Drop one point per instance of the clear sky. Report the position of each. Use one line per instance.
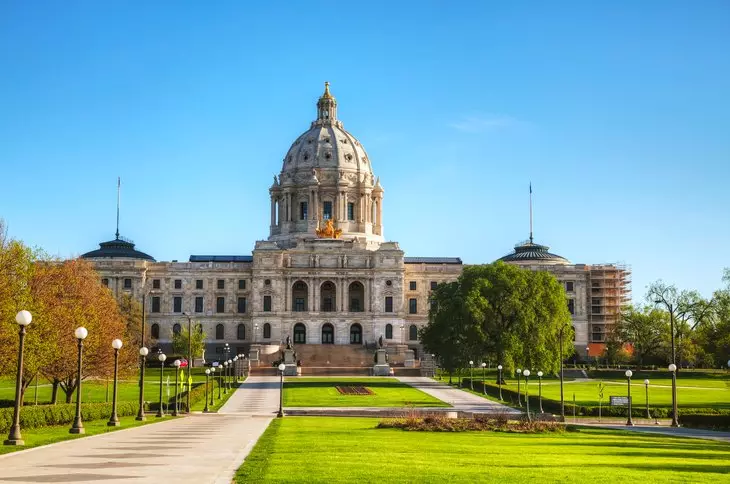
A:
(617, 111)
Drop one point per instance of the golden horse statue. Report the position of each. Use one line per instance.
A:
(329, 231)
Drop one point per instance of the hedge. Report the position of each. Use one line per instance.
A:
(705, 421)
(197, 394)
(34, 416)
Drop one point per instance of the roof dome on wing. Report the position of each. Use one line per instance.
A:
(530, 252)
(119, 248)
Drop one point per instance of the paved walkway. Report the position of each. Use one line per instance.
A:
(665, 430)
(258, 395)
(459, 399)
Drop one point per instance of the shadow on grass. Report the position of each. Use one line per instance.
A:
(395, 385)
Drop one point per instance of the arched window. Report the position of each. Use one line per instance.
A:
(300, 333)
(357, 297)
(388, 331)
(355, 334)
(241, 331)
(328, 334)
(267, 330)
(176, 328)
(413, 332)
(299, 294)
(155, 331)
(219, 331)
(327, 297)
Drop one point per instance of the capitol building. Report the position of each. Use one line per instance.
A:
(326, 275)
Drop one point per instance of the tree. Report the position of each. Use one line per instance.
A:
(713, 336)
(180, 341)
(645, 328)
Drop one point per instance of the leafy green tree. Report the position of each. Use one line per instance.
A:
(713, 336)
(180, 341)
(646, 329)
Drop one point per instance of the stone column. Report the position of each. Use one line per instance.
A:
(336, 208)
(273, 211)
(344, 204)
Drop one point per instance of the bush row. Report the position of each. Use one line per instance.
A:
(34, 416)
(705, 421)
(495, 423)
(197, 394)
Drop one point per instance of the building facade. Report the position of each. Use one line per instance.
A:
(325, 274)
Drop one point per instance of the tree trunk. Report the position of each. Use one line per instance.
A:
(54, 392)
(69, 396)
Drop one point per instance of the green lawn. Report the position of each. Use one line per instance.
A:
(58, 433)
(321, 392)
(353, 450)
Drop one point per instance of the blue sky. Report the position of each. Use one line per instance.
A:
(617, 111)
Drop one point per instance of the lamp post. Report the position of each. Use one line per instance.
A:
(646, 386)
(484, 380)
(499, 381)
(207, 374)
(588, 356)
(230, 374)
(212, 393)
(190, 357)
(673, 369)
(161, 357)
(539, 390)
(235, 370)
(471, 374)
(143, 352)
(23, 318)
(526, 374)
(114, 420)
(225, 378)
(519, 374)
(176, 364)
(628, 374)
(282, 367)
(220, 380)
(78, 426)
(562, 400)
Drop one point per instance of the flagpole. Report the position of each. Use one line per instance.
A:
(530, 212)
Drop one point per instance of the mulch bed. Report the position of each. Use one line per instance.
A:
(354, 390)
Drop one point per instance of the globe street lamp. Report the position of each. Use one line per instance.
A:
(230, 374)
(673, 369)
(190, 355)
(282, 367)
(484, 381)
(646, 385)
(220, 380)
(499, 381)
(212, 371)
(471, 374)
(628, 374)
(207, 374)
(519, 374)
(562, 399)
(143, 352)
(539, 390)
(162, 357)
(114, 420)
(225, 377)
(526, 374)
(23, 318)
(78, 426)
(176, 364)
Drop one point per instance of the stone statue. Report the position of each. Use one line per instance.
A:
(288, 342)
(380, 341)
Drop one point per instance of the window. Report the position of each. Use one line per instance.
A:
(412, 285)
(241, 331)
(388, 304)
(350, 211)
(198, 284)
(355, 334)
(569, 286)
(300, 333)
(220, 305)
(176, 328)
(241, 284)
(412, 305)
(105, 282)
(595, 310)
(596, 301)
(221, 284)
(199, 304)
(178, 283)
(156, 304)
(177, 304)
(413, 332)
(220, 332)
(267, 330)
(433, 285)
(326, 210)
(127, 283)
(155, 331)
(302, 210)
(299, 304)
(241, 304)
(155, 283)
(267, 303)
(571, 306)
(328, 334)
(388, 331)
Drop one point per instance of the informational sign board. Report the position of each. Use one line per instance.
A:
(619, 401)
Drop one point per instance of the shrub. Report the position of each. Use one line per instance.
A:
(705, 421)
(197, 394)
(490, 423)
(32, 417)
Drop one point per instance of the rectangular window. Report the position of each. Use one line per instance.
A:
(177, 304)
(302, 210)
(221, 284)
(199, 304)
(413, 306)
(569, 286)
(105, 282)
(388, 304)
(220, 305)
(596, 301)
(596, 310)
(327, 305)
(350, 211)
(178, 283)
(127, 283)
(241, 304)
(299, 304)
(198, 284)
(355, 305)
(155, 283)
(267, 303)
(571, 306)
(433, 285)
(412, 285)
(326, 210)
(241, 284)
(155, 304)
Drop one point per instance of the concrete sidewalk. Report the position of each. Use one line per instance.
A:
(458, 399)
(666, 430)
(258, 395)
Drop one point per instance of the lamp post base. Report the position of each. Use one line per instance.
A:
(141, 418)
(113, 423)
(279, 414)
(159, 414)
(77, 430)
(14, 442)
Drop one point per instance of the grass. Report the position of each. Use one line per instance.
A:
(387, 392)
(358, 452)
(58, 433)
(217, 403)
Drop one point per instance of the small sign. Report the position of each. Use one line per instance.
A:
(619, 401)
